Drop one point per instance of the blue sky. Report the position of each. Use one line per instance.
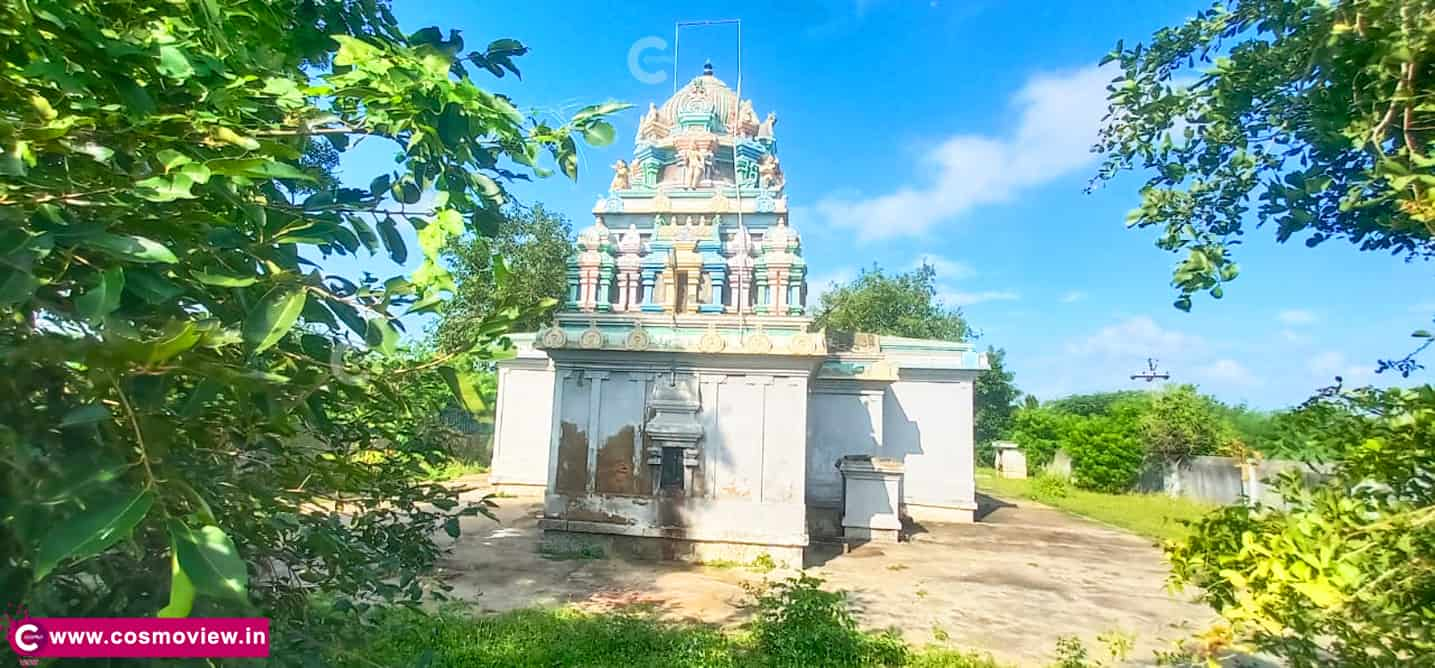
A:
(958, 132)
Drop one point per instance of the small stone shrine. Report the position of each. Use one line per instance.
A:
(681, 404)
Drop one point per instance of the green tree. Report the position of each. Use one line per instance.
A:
(1107, 450)
(1309, 116)
(187, 420)
(1315, 117)
(906, 304)
(1040, 431)
(534, 244)
(995, 401)
(903, 304)
(1180, 423)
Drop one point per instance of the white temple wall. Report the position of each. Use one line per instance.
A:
(747, 488)
(522, 422)
(845, 419)
(927, 423)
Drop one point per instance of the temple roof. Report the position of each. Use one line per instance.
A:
(705, 92)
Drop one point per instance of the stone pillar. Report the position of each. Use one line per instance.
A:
(871, 498)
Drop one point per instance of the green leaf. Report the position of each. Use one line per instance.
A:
(463, 389)
(171, 158)
(162, 189)
(598, 110)
(380, 333)
(599, 134)
(131, 247)
(173, 64)
(210, 560)
(16, 286)
(87, 414)
(452, 125)
(181, 590)
(104, 522)
(223, 280)
(451, 527)
(102, 299)
(257, 168)
(487, 187)
(273, 317)
(366, 233)
(398, 250)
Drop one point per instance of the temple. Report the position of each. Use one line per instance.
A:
(681, 404)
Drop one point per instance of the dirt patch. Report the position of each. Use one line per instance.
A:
(1010, 587)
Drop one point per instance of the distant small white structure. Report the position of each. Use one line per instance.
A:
(871, 498)
(1011, 461)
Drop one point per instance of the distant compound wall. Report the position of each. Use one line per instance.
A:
(1225, 480)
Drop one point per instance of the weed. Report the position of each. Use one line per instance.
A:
(799, 623)
(762, 563)
(1049, 487)
(571, 554)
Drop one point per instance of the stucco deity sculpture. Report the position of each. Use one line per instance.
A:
(594, 245)
(620, 176)
(764, 131)
(747, 123)
(778, 254)
(770, 173)
(739, 265)
(630, 285)
(652, 126)
(696, 161)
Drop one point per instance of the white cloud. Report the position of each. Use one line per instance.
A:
(1327, 365)
(1293, 336)
(947, 269)
(1228, 371)
(959, 298)
(1058, 115)
(1296, 316)
(1073, 297)
(1136, 338)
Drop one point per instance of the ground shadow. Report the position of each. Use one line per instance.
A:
(988, 504)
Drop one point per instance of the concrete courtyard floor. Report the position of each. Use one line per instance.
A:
(1010, 585)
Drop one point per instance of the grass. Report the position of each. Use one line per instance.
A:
(1155, 516)
(569, 637)
(762, 563)
(453, 469)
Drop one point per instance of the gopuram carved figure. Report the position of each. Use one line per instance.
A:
(696, 161)
(747, 123)
(651, 126)
(621, 179)
(764, 131)
(770, 173)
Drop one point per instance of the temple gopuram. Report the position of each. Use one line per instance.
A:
(681, 405)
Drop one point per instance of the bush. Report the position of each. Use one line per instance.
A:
(1345, 573)
(1106, 453)
(1040, 433)
(1049, 487)
(1180, 424)
(800, 624)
